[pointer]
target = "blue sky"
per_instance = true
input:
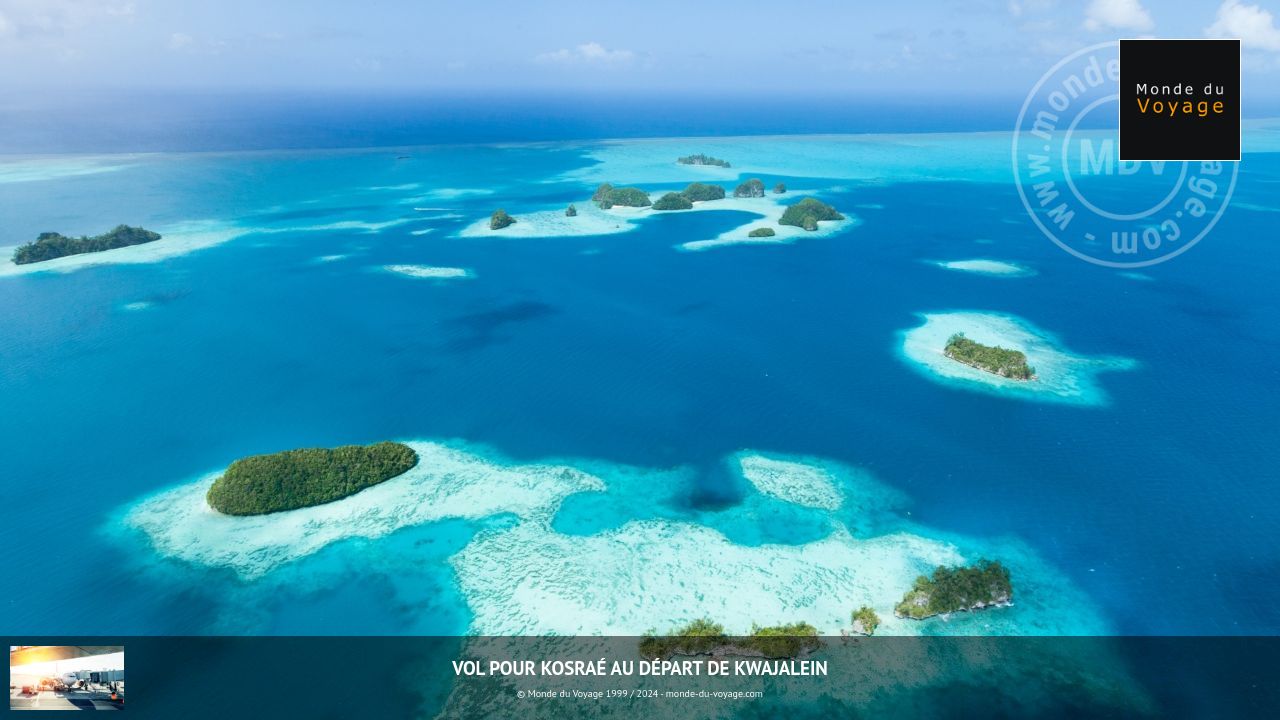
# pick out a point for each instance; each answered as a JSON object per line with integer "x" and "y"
{"x": 835, "y": 46}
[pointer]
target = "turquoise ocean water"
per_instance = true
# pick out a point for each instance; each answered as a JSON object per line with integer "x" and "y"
{"x": 623, "y": 356}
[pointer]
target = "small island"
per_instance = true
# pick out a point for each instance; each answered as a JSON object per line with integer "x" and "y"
{"x": 808, "y": 213}
{"x": 958, "y": 589}
{"x": 865, "y": 621}
{"x": 571, "y": 211}
{"x": 780, "y": 188}
{"x": 52, "y": 245}
{"x": 262, "y": 484}
{"x": 762, "y": 232}
{"x": 996, "y": 360}
{"x": 704, "y": 637}
{"x": 672, "y": 201}
{"x": 606, "y": 196}
{"x": 700, "y": 192}
{"x": 500, "y": 219}
{"x": 702, "y": 159}
{"x": 752, "y": 188}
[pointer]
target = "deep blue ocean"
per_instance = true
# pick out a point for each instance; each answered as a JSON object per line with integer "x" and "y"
{"x": 119, "y": 380}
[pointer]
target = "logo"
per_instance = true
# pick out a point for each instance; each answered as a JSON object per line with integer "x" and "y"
{"x": 1071, "y": 180}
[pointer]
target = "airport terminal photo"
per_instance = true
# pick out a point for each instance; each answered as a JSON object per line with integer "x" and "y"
{"x": 66, "y": 677}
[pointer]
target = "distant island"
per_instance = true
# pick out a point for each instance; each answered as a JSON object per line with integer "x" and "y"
{"x": 865, "y": 621}
{"x": 700, "y": 192}
{"x": 996, "y": 360}
{"x": 52, "y": 245}
{"x": 751, "y": 188}
{"x": 672, "y": 201}
{"x": 606, "y": 196}
{"x": 807, "y": 213}
{"x": 701, "y": 159}
{"x": 500, "y": 219}
{"x": 571, "y": 211}
{"x": 985, "y": 584}
{"x": 704, "y": 637}
{"x": 780, "y": 188}
{"x": 762, "y": 232}
{"x": 293, "y": 479}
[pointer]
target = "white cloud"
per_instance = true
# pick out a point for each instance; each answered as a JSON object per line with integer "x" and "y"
{"x": 1255, "y": 27}
{"x": 1117, "y": 15}
{"x": 6, "y": 27}
{"x": 592, "y": 53}
{"x": 180, "y": 41}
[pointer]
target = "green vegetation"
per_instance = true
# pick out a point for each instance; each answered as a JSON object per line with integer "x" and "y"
{"x": 751, "y": 188}
{"x": 997, "y": 360}
{"x": 293, "y": 479}
{"x": 956, "y": 589}
{"x": 808, "y": 213}
{"x": 50, "y": 245}
{"x": 607, "y": 196}
{"x": 762, "y": 232}
{"x": 780, "y": 188}
{"x": 672, "y": 201}
{"x": 571, "y": 211}
{"x": 865, "y": 621}
{"x": 500, "y": 219}
{"x": 701, "y": 159}
{"x": 698, "y": 192}
{"x": 701, "y": 637}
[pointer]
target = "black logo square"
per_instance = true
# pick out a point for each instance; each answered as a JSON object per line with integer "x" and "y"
{"x": 1180, "y": 100}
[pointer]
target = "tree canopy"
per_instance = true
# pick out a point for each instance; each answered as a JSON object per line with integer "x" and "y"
{"x": 50, "y": 245}
{"x": 292, "y": 479}
{"x": 808, "y": 213}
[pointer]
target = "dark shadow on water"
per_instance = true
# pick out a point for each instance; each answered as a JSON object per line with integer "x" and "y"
{"x": 478, "y": 330}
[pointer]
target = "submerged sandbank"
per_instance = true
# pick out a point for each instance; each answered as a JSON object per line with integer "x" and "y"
{"x": 525, "y": 577}
{"x": 429, "y": 271}
{"x": 982, "y": 266}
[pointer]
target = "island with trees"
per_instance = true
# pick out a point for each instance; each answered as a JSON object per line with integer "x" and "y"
{"x": 752, "y": 188}
{"x": 701, "y": 192}
{"x": 702, "y": 159}
{"x": 704, "y": 637}
{"x": 607, "y": 196}
{"x": 762, "y": 232}
{"x": 995, "y": 360}
{"x": 672, "y": 201}
{"x": 262, "y": 484}
{"x": 780, "y": 188}
{"x": 957, "y": 589}
{"x": 500, "y": 219}
{"x": 865, "y": 621}
{"x": 52, "y": 245}
{"x": 571, "y": 211}
{"x": 808, "y": 213}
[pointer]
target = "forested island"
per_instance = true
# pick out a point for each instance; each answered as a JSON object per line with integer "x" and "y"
{"x": 701, "y": 192}
{"x": 702, "y": 159}
{"x": 984, "y": 584}
{"x": 293, "y": 479}
{"x": 51, "y": 245}
{"x": 500, "y": 219}
{"x": 807, "y": 213}
{"x": 704, "y": 637}
{"x": 750, "y": 188}
{"x": 865, "y": 621}
{"x": 606, "y": 196}
{"x": 762, "y": 232}
{"x": 672, "y": 201}
{"x": 996, "y": 360}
